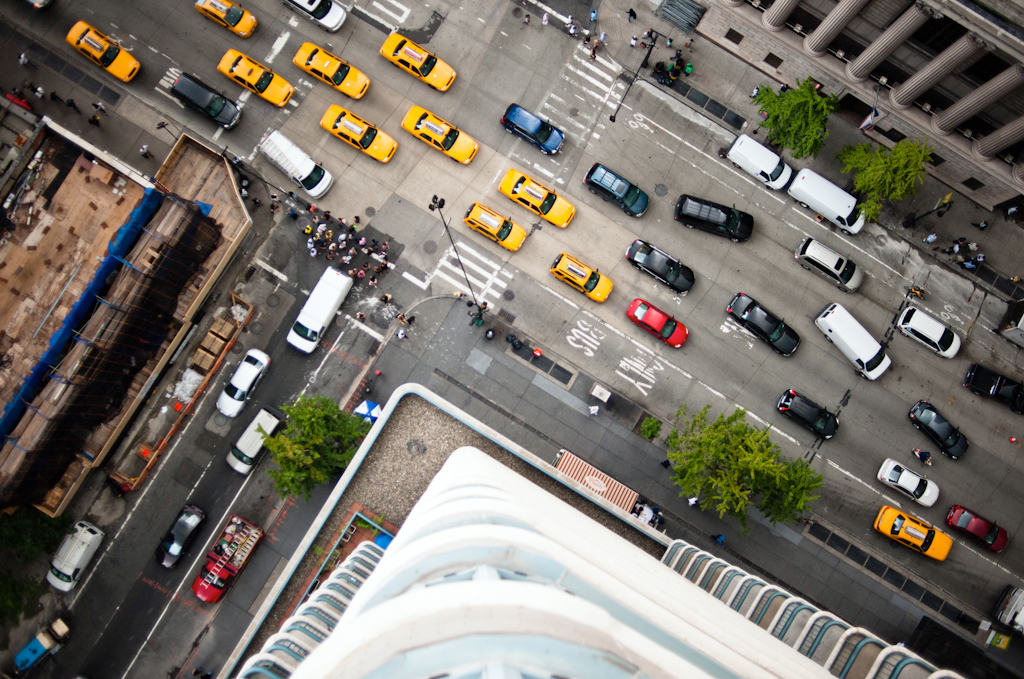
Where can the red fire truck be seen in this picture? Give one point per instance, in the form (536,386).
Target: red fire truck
(227,558)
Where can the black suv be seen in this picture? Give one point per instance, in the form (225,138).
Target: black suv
(697,213)
(808,414)
(661,265)
(195,93)
(611,186)
(545,136)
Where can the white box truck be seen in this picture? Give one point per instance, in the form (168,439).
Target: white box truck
(319,310)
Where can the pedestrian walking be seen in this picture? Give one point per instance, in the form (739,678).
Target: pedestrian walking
(274,207)
(256,202)
(756,91)
(601,38)
(99,107)
(312,209)
(54,97)
(379,268)
(593,53)
(94,120)
(630,15)
(410,320)
(689,45)
(356,219)
(38,92)
(386,298)
(143,150)
(70,103)
(593,411)
(693,501)
(720,539)
(207,675)
(361,273)
(360,316)
(632,41)
(400,334)
(586,39)
(593,15)
(649,33)
(982,225)
(372,282)
(327,215)
(544,19)
(400,318)
(526,20)
(930,238)
(572,28)
(293,214)
(312,252)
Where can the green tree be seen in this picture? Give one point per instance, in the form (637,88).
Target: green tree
(881,174)
(317,445)
(731,465)
(27,533)
(798,118)
(17,596)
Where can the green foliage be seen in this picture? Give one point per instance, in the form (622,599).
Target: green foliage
(881,174)
(28,533)
(318,550)
(650,428)
(17,596)
(798,118)
(731,466)
(317,445)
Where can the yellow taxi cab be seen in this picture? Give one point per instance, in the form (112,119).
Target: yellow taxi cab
(358,133)
(536,197)
(413,59)
(914,533)
(491,224)
(590,282)
(442,135)
(254,76)
(103,51)
(233,17)
(332,70)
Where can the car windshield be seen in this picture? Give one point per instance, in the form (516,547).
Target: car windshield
(672,271)
(233,16)
(241,456)
(219,583)
(371,134)
(946,341)
(264,82)
(777,172)
(592,281)
(304,332)
(428,65)
(314,178)
(449,139)
(734,220)
(544,132)
(169,546)
(339,75)
(922,486)
(897,524)
(185,525)
(875,361)
(779,330)
(216,106)
(60,576)
(821,422)
(928,540)
(108,56)
(847,273)
(505,230)
(321,10)
(631,196)
(234,392)
(852,217)
(669,328)
(548,203)
(992,534)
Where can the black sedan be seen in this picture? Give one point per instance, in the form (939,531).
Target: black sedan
(764,324)
(661,265)
(809,414)
(948,438)
(180,535)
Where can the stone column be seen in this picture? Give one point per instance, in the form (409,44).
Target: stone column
(774,19)
(1008,134)
(860,68)
(1004,83)
(938,68)
(817,43)
(733,3)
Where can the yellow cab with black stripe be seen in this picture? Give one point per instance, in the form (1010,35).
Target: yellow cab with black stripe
(103,51)
(358,133)
(230,15)
(494,226)
(439,133)
(538,198)
(575,273)
(418,62)
(332,70)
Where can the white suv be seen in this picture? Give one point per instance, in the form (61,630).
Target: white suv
(327,14)
(918,325)
(829,264)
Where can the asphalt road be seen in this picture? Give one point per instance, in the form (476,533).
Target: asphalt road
(142,616)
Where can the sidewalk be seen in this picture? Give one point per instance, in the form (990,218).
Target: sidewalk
(543,404)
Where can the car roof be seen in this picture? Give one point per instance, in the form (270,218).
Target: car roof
(523,117)
(805,408)
(826,256)
(922,322)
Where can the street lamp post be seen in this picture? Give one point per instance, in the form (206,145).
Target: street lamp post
(436,204)
(636,74)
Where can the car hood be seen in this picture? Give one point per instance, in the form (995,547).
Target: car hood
(334,18)
(354,84)
(228,115)
(279,91)
(554,141)
(744,227)
(465,147)
(684,281)
(789,341)
(165,558)
(381,145)
(441,76)
(228,406)
(830,428)
(958,449)
(639,206)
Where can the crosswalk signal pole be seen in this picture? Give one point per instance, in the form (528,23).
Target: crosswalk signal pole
(636,74)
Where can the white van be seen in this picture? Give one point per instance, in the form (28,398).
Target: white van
(819,194)
(73,555)
(1009,609)
(856,343)
(248,449)
(319,310)
(758,160)
(297,164)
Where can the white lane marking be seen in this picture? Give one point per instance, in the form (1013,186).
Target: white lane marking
(398,17)
(550,175)
(365,328)
(421,284)
(276,48)
(168,95)
(266,267)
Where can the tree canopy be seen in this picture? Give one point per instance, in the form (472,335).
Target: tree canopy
(317,445)
(797,118)
(731,465)
(881,174)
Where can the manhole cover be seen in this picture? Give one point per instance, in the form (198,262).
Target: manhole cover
(256,328)
(416,448)
(517,12)
(238,348)
(268,110)
(371,211)
(881,240)
(660,189)
(574,112)
(220,420)
(273,301)
(508,295)
(429,247)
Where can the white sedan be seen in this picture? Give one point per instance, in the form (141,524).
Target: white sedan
(243,383)
(917,325)
(914,486)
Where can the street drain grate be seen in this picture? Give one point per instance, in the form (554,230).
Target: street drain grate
(506,316)
(374,348)
(416,448)
(250,270)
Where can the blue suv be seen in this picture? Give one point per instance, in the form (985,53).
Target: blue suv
(545,136)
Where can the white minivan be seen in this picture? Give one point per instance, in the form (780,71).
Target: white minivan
(297,164)
(819,194)
(760,161)
(319,310)
(248,449)
(856,343)
(73,555)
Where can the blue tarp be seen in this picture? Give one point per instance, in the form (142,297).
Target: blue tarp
(120,245)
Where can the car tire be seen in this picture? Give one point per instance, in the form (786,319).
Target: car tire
(592,191)
(805,267)
(508,130)
(829,339)
(689,226)
(803,204)
(735,240)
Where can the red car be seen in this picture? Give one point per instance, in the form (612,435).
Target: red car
(981,529)
(657,322)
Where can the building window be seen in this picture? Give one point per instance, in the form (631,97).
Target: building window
(936,160)
(973,184)
(773,60)
(733,36)
(894,134)
(936,35)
